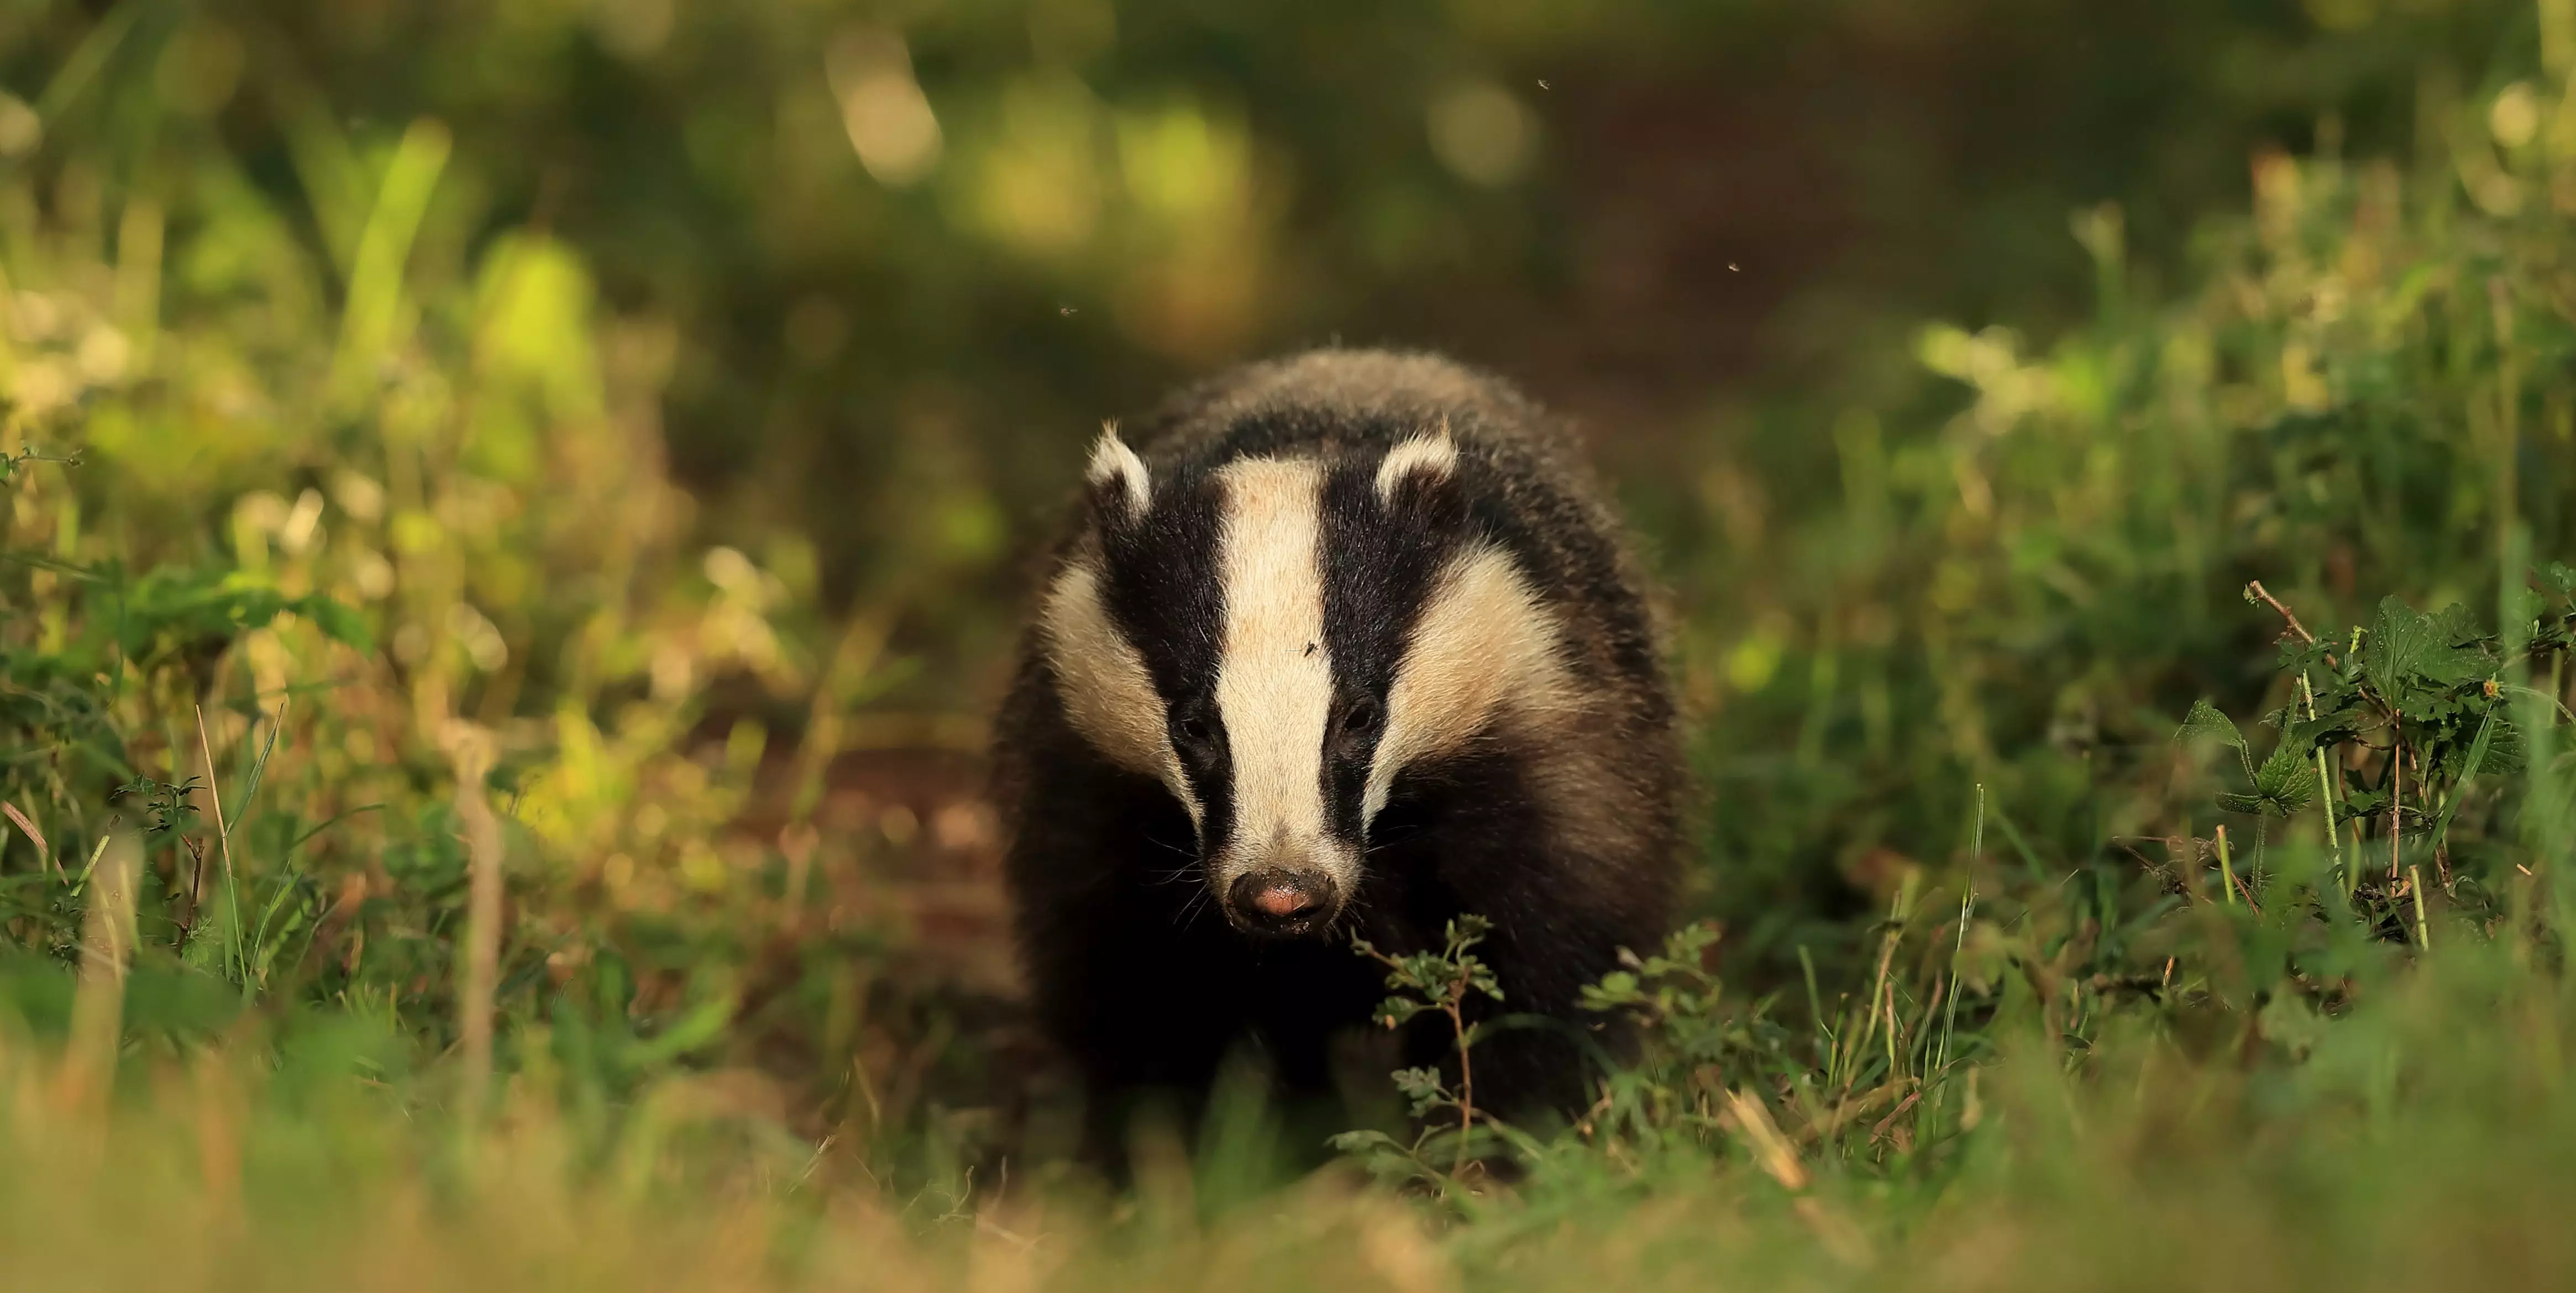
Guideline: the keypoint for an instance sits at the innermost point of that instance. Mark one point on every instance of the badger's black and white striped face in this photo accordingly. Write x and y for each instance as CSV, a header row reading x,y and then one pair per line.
x,y
1278,639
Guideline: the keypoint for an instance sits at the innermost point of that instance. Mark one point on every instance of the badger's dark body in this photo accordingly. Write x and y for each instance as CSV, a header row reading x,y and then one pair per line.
x,y
1555,818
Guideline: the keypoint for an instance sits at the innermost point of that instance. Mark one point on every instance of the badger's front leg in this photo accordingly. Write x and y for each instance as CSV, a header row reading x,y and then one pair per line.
x,y
1108,905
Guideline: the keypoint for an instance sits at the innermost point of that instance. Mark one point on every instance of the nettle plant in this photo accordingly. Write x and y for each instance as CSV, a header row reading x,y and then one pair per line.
x,y
2391,730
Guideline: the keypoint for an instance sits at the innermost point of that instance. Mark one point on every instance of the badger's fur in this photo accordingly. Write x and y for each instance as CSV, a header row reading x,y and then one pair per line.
x,y
1342,643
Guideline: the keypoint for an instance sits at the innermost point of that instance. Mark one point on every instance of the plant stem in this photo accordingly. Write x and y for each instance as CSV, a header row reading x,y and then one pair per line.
x,y
2226,869
2396,790
1466,1074
2325,787
2256,589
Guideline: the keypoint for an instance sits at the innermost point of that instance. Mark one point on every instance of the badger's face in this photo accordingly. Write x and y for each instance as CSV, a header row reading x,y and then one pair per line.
x,y
1275,640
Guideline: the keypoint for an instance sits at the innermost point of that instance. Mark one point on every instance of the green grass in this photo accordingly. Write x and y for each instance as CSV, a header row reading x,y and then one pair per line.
x,y
2137,777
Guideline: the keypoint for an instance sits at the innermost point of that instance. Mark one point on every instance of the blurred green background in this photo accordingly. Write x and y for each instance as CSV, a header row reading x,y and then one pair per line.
x,y
904,257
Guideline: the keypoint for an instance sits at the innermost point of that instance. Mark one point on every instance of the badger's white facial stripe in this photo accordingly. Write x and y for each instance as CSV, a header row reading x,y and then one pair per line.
x,y
1432,457
1274,684
1113,463
1108,696
1484,645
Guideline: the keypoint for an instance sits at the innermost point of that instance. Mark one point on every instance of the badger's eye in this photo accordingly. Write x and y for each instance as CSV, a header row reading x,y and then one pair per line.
x,y
1360,716
1194,728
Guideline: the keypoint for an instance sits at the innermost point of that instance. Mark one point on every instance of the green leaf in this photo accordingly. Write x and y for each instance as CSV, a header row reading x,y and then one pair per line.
x,y
338,621
2205,723
2287,781
2499,749
2457,625
1354,1142
1395,1012
2493,731
2400,641
2229,801
2524,606
2560,577
1616,989
2325,729
2450,666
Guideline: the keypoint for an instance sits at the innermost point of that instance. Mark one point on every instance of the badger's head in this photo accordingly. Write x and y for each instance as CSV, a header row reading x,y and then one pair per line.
x,y
1276,639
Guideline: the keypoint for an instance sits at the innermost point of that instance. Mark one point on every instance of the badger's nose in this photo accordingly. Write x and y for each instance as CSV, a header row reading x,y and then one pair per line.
x,y
1276,901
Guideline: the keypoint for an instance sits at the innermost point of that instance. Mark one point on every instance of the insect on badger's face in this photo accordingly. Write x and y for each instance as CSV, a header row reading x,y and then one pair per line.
x,y
1239,635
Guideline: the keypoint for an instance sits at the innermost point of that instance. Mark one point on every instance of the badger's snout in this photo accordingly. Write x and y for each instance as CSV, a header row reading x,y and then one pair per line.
x,y
1281,903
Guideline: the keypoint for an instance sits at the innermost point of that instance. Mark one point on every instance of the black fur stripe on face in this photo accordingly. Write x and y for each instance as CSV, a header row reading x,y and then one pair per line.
x,y
1161,585
1381,557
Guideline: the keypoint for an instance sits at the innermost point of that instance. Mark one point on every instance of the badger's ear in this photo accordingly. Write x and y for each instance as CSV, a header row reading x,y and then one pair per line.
x,y
1417,468
1121,489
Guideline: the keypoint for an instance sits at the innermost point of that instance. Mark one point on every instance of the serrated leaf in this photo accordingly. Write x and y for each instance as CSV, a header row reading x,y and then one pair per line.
x,y
2400,638
2457,625
1415,1081
2230,801
2205,723
2418,705
2454,664
2504,751
2287,781
2560,577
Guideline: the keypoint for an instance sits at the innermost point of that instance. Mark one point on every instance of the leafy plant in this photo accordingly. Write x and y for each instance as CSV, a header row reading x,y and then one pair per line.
x,y
2389,727
1441,982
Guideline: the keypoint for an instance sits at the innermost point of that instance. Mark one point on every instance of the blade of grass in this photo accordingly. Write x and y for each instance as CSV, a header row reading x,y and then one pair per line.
x,y
224,832
307,836
2468,773
82,67
44,851
1967,910
259,765
224,843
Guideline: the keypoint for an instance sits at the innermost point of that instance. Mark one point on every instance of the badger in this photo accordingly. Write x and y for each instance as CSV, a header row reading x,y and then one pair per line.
x,y
1342,644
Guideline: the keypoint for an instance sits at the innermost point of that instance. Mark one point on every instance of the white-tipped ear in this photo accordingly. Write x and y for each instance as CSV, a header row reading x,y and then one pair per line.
x,y
1117,473
1429,458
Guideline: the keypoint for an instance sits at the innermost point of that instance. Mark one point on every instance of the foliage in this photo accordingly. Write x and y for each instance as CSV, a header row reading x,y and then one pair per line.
x,y
2411,696
1445,982
2019,572
316,549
